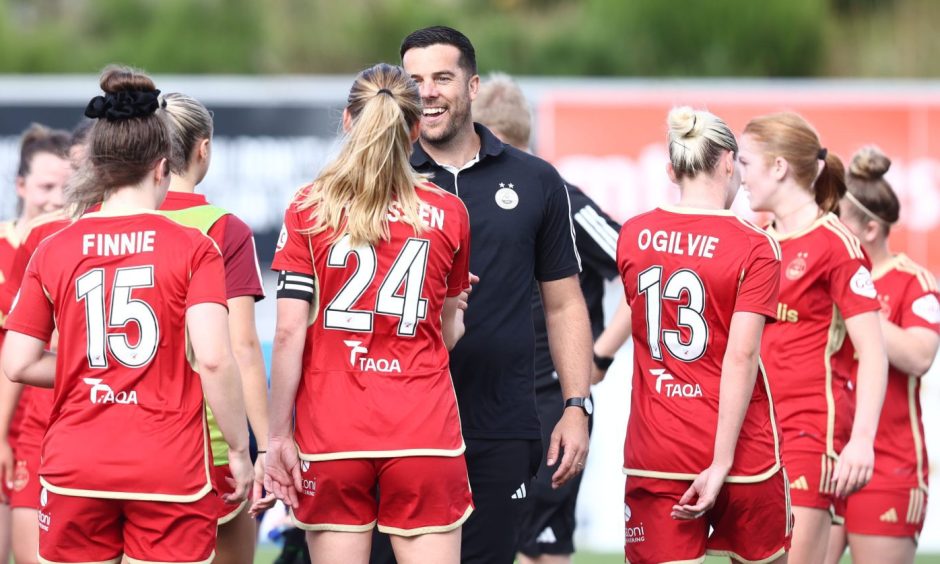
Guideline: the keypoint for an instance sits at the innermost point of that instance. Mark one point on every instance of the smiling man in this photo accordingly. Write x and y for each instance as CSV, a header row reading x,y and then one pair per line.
x,y
521,235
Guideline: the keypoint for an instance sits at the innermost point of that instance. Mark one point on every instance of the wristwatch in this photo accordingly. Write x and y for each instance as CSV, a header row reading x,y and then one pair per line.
x,y
584,403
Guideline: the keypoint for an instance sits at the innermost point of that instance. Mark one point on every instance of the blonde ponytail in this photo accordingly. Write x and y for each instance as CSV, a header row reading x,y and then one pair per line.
x,y
353,193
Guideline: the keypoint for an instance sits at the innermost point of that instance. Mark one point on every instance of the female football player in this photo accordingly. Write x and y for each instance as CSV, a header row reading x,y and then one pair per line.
x,y
372,262
884,519
702,446
124,467
826,292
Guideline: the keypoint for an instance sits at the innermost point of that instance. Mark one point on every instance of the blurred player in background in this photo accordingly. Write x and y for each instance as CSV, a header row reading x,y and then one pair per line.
x,y
373,260
884,519
132,292
548,527
702,446
191,128
826,292
41,176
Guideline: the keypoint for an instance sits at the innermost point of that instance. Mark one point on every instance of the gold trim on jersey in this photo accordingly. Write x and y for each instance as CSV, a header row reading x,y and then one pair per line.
x,y
738,558
773,242
688,210
382,453
144,496
332,527
827,482
139,561
427,530
834,342
752,479
851,242
8,232
912,382
902,263
799,233
788,528
114,560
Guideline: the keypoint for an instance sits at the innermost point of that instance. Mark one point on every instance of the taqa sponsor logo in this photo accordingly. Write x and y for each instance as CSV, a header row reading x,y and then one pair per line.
x,y
861,283
103,394
797,267
357,359
927,308
785,313
665,386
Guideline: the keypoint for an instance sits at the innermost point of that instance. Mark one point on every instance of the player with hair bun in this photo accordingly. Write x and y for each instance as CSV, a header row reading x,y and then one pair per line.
x,y
702,446
373,262
884,519
826,293
132,293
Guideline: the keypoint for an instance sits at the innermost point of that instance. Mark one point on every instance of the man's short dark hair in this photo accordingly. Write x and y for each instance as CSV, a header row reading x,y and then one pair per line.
x,y
443,35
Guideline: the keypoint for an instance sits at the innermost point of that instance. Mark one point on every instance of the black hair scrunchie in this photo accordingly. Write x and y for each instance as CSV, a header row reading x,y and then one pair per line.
x,y
126,104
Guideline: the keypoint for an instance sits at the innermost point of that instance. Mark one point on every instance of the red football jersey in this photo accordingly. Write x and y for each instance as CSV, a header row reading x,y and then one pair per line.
x,y
9,242
117,287
35,403
826,279
685,273
376,379
909,298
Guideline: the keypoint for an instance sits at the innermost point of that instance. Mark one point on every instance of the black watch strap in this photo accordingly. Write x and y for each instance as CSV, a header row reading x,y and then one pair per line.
x,y
603,362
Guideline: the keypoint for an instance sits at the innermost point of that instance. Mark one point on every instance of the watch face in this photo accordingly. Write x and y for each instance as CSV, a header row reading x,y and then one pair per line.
x,y
589,406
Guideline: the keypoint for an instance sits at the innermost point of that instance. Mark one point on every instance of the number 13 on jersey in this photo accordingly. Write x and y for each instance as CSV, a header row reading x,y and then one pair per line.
x,y
691,315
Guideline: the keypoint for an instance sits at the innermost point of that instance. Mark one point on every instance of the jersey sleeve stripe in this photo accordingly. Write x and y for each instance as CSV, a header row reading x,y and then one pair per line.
x,y
848,245
856,244
600,232
574,244
773,242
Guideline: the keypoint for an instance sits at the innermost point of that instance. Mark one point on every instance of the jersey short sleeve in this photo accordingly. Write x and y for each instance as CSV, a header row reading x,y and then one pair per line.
x,y
555,255
760,281
32,311
459,278
207,281
851,285
242,274
293,250
921,305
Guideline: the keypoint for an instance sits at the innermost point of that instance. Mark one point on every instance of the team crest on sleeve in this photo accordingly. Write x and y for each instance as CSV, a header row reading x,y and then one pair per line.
x,y
506,196
927,308
797,266
282,237
862,284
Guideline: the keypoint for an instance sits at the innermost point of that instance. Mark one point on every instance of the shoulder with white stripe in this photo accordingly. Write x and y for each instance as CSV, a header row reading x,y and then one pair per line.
x,y
851,243
597,228
926,279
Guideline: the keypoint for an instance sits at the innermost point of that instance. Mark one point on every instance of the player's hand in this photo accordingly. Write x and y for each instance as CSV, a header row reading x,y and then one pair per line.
x,y
282,470
239,464
854,467
7,465
597,374
465,295
570,439
259,501
703,492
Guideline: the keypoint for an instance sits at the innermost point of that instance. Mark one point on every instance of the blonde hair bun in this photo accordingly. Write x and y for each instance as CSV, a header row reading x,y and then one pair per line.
x,y
869,163
683,122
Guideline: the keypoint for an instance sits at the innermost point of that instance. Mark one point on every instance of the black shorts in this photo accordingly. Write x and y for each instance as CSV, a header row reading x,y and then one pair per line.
x,y
501,472
548,523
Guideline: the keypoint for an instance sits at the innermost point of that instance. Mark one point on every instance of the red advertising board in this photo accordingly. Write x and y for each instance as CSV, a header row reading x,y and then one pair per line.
x,y
611,142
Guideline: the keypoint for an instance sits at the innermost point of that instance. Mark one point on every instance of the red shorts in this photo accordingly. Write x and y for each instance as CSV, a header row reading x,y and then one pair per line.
x,y
417,495
88,529
811,479
751,522
26,486
838,510
892,513
225,512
